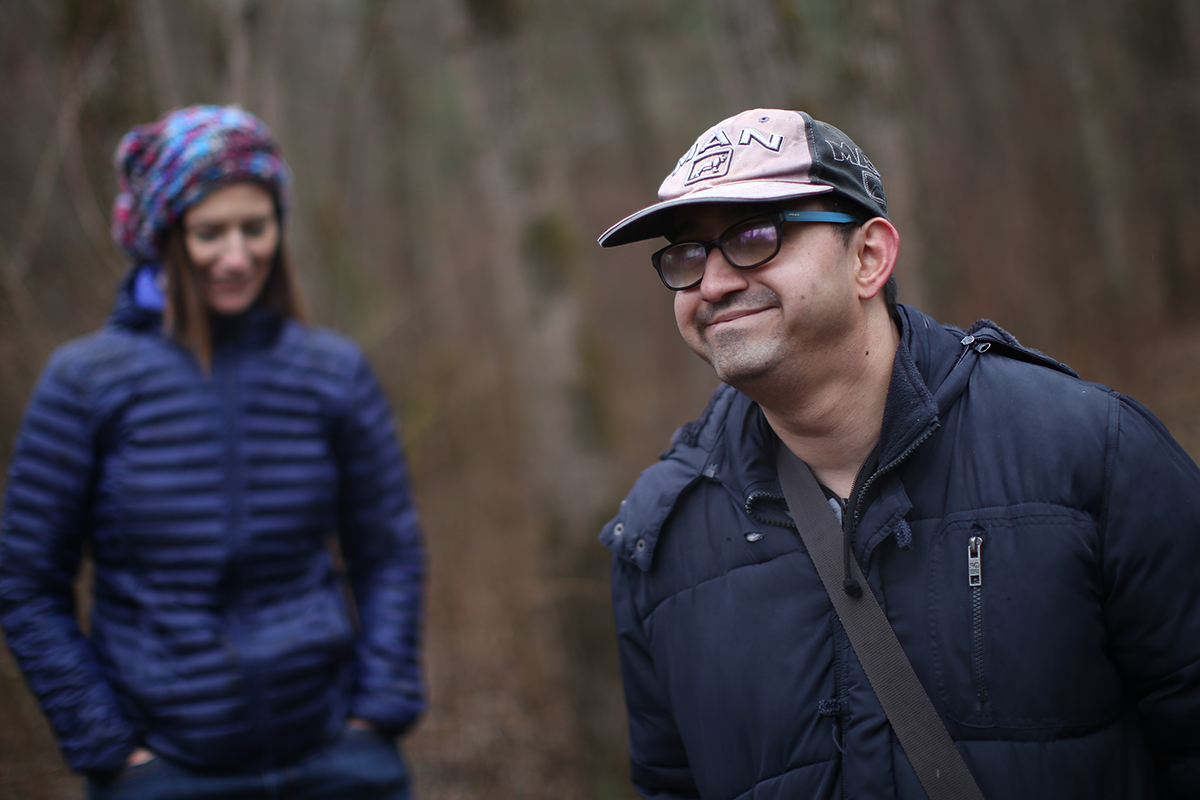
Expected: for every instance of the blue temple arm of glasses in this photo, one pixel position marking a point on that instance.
(816, 216)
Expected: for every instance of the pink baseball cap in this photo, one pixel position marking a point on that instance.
(758, 156)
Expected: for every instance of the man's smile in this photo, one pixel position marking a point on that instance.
(733, 316)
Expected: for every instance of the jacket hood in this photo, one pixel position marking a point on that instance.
(139, 303)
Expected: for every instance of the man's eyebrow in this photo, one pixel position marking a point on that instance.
(686, 231)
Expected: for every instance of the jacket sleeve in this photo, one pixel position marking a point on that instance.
(385, 560)
(1152, 568)
(659, 763)
(44, 524)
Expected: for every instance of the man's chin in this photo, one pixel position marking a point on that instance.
(739, 371)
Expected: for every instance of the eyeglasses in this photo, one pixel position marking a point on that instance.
(745, 245)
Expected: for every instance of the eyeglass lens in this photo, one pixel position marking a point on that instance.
(746, 244)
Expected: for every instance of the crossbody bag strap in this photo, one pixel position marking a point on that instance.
(937, 762)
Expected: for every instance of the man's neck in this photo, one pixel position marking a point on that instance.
(832, 419)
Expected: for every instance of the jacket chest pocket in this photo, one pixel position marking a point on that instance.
(1016, 621)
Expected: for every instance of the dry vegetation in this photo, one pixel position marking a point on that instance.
(455, 160)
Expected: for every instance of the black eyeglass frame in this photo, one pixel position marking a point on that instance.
(779, 217)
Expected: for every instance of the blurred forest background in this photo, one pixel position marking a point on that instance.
(454, 162)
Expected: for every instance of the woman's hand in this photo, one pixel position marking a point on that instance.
(139, 756)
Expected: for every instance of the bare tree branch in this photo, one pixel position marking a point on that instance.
(67, 126)
(157, 40)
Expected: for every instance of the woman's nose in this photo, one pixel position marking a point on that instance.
(236, 252)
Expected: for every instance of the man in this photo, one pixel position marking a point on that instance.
(1033, 539)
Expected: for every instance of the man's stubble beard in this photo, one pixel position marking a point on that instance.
(738, 355)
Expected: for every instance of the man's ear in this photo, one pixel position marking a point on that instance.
(878, 244)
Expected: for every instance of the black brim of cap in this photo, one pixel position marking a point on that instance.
(654, 221)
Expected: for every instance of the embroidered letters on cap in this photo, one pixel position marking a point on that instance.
(707, 165)
(871, 180)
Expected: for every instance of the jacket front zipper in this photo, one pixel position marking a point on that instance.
(238, 534)
(975, 582)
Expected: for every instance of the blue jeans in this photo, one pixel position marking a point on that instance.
(361, 765)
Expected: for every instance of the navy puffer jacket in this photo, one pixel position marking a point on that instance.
(220, 634)
(1072, 671)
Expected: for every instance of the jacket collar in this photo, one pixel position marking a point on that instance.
(732, 443)
(743, 451)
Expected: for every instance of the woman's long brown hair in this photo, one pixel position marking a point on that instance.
(186, 318)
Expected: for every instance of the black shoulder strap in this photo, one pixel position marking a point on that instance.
(928, 746)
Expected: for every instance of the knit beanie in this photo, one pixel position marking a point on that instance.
(167, 166)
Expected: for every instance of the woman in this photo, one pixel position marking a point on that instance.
(202, 447)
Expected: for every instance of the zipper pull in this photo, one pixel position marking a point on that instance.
(974, 561)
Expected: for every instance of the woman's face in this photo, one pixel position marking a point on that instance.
(231, 238)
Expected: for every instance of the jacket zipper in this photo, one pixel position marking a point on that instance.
(975, 582)
(237, 533)
(748, 507)
(884, 470)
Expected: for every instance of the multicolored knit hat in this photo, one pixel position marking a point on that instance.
(167, 166)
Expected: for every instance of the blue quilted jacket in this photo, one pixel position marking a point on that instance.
(220, 631)
(1071, 671)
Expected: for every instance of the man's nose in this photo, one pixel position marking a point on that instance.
(720, 277)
